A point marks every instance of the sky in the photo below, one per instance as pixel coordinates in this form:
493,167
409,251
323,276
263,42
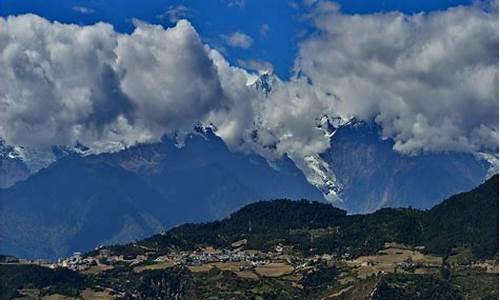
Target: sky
110,74
274,27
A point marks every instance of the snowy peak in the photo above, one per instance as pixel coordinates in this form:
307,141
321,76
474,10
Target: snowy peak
35,159
77,149
9,152
319,174
12,166
265,82
329,125
492,160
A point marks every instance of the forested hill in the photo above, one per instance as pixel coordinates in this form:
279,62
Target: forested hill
466,219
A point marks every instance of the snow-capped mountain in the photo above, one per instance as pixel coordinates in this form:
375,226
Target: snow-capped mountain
319,174
150,186
19,162
8,152
361,172
317,170
79,202
12,165
371,175
265,82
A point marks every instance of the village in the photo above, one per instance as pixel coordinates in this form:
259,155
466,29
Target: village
250,263
194,260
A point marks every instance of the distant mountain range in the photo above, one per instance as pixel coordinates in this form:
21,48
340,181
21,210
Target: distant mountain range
371,175
77,201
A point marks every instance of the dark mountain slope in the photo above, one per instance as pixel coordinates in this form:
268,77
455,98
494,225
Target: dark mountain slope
260,222
208,180
78,202
75,205
469,218
373,175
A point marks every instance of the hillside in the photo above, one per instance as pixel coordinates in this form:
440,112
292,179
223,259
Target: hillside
75,205
286,249
468,219
78,203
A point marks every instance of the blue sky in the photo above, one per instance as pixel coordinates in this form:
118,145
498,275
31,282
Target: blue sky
275,27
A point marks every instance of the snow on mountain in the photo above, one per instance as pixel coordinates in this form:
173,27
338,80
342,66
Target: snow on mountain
317,171
373,175
12,166
264,82
7,151
19,162
319,174
492,160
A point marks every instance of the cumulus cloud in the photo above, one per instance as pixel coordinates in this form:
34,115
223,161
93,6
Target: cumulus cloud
239,40
430,80
270,116
66,83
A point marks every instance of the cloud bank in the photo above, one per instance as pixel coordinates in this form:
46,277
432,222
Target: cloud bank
429,80
66,83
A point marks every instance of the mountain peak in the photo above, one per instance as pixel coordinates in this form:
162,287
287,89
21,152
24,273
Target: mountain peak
8,151
264,83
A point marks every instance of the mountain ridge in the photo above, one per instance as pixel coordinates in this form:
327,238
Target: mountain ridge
371,175
152,187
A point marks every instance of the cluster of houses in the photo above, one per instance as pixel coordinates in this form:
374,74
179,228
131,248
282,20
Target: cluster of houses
201,257
76,262
79,262
235,253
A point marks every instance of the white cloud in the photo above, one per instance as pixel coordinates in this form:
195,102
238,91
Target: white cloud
256,65
430,80
283,121
83,9
264,29
88,83
239,40
175,13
